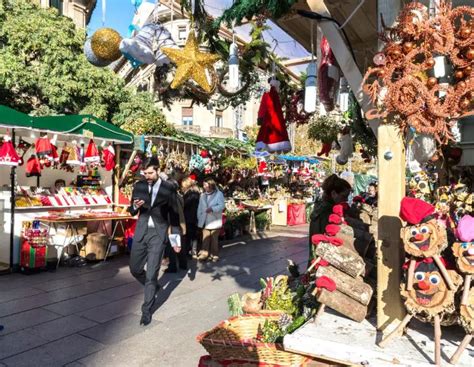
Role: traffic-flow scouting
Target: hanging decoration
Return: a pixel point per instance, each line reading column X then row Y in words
column 192, row 64
column 92, row 153
column 33, row 167
column 105, row 44
column 234, row 76
column 73, row 155
column 328, row 76
column 347, row 146
column 145, row 46
column 8, row 154
column 92, row 57
column 324, row 128
column 272, row 135
column 108, row 158
column 424, row 76
column 44, row 148
column 310, row 90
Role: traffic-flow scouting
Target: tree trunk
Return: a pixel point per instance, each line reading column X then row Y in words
column 347, row 235
column 352, row 287
column 343, row 304
column 341, row 258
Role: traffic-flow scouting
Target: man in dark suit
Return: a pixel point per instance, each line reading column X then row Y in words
column 154, row 200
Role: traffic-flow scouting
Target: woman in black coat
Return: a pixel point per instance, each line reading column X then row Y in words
column 191, row 196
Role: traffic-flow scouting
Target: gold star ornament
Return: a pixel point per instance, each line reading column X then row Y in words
column 192, row 64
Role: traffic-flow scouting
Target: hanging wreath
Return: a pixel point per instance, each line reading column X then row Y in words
column 324, row 128
column 424, row 75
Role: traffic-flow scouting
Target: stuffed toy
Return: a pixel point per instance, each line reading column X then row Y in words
column 272, row 135
column 145, row 47
column 464, row 252
column 420, row 186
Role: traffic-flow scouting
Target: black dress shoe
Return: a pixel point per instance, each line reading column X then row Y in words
column 146, row 319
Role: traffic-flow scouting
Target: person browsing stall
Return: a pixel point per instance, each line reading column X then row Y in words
column 155, row 202
column 210, row 209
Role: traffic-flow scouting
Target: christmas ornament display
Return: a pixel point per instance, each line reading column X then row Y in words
column 105, row 44
column 91, row 57
column 8, row 154
column 426, row 78
column 145, row 47
column 44, row 148
column 192, row 64
column 272, row 135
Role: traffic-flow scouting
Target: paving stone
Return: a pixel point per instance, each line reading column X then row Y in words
column 10, row 295
column 26, row 319
column 18, row 342
column 113, row 310
column 117, row 330
column 57, row 353
column 78, row 304
column 61, row 327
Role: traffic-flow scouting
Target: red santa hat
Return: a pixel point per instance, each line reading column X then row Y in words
column 43, row 148
column 73, row 157
column 8, row 154
column 262, row 167
column 326, row 283
column 272, row 135
column 54, row 153
column 415, row 211
column 33, row 167
column 193, row 176
column 92, row 153
column 108, row 158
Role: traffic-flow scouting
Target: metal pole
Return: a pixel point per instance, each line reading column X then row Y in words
column 12, row 206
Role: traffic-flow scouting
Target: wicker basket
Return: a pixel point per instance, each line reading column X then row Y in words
column 235, row 339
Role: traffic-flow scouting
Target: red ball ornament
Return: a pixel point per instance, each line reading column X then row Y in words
column 470, row 54
column 465, row 32
column 204, row 154
column 432, row 82
column 430, row 62
column 459, row 74
column 408, row 46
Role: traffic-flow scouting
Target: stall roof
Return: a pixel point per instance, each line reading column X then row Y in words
column 82, row 125
column 10, row 118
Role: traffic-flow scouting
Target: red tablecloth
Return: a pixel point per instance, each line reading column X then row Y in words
column 296, row 214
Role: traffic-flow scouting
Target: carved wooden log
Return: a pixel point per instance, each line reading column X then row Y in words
column 342, row 258
column 347, row 235
column 352, row 287
column 343, row 304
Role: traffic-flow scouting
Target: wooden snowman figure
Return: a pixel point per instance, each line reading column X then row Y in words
column 464, row 253
column 430, row 288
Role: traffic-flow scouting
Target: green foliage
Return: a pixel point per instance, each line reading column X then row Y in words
column 239, row 163
column 323, row 128
column 141, row 116
column 42, row 65
column 234, row 304
column 247, row 9
column 282, row 298
column 362, row 133
column 262, row 220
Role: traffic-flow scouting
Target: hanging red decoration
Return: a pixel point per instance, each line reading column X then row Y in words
column 8, row 154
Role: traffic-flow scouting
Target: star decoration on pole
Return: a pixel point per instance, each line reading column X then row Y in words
column 192, row 64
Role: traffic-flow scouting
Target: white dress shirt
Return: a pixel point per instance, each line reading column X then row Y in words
column 153, row 190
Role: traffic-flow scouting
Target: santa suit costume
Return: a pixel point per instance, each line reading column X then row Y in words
column 272, row 136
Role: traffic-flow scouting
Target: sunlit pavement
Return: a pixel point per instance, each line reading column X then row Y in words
column 90, row 316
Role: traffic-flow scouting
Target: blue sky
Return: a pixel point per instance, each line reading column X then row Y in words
column 119, row 15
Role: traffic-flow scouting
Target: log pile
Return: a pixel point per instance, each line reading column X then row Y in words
column 339, row 270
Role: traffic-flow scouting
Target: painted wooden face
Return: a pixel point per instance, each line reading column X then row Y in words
column 424, row 240
column 420, row 186
column 464, row 252
column 467, row 313
column 430, row 292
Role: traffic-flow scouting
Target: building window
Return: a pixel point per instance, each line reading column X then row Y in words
column 182, row 33
column 219, row 119
column 58, row 4
column 187, row 116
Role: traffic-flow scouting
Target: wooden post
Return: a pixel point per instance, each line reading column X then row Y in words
column 467, row 287
column 465, row 342
column 437, row 336
column 397, row 332
column 390, row 253
column 116, row 175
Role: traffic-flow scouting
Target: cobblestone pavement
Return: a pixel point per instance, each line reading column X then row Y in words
column 90, row 316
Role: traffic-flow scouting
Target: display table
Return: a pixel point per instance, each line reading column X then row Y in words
column 337, row 339
column 296, row 214
column 71, row 222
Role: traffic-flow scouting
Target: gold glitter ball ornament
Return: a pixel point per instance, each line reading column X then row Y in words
column 105, row 44
column 192, row 63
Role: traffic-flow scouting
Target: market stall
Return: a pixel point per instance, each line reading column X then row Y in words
column 62, row 177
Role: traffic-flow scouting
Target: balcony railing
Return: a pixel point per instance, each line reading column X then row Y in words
column 195, row 129
column 221, row 132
